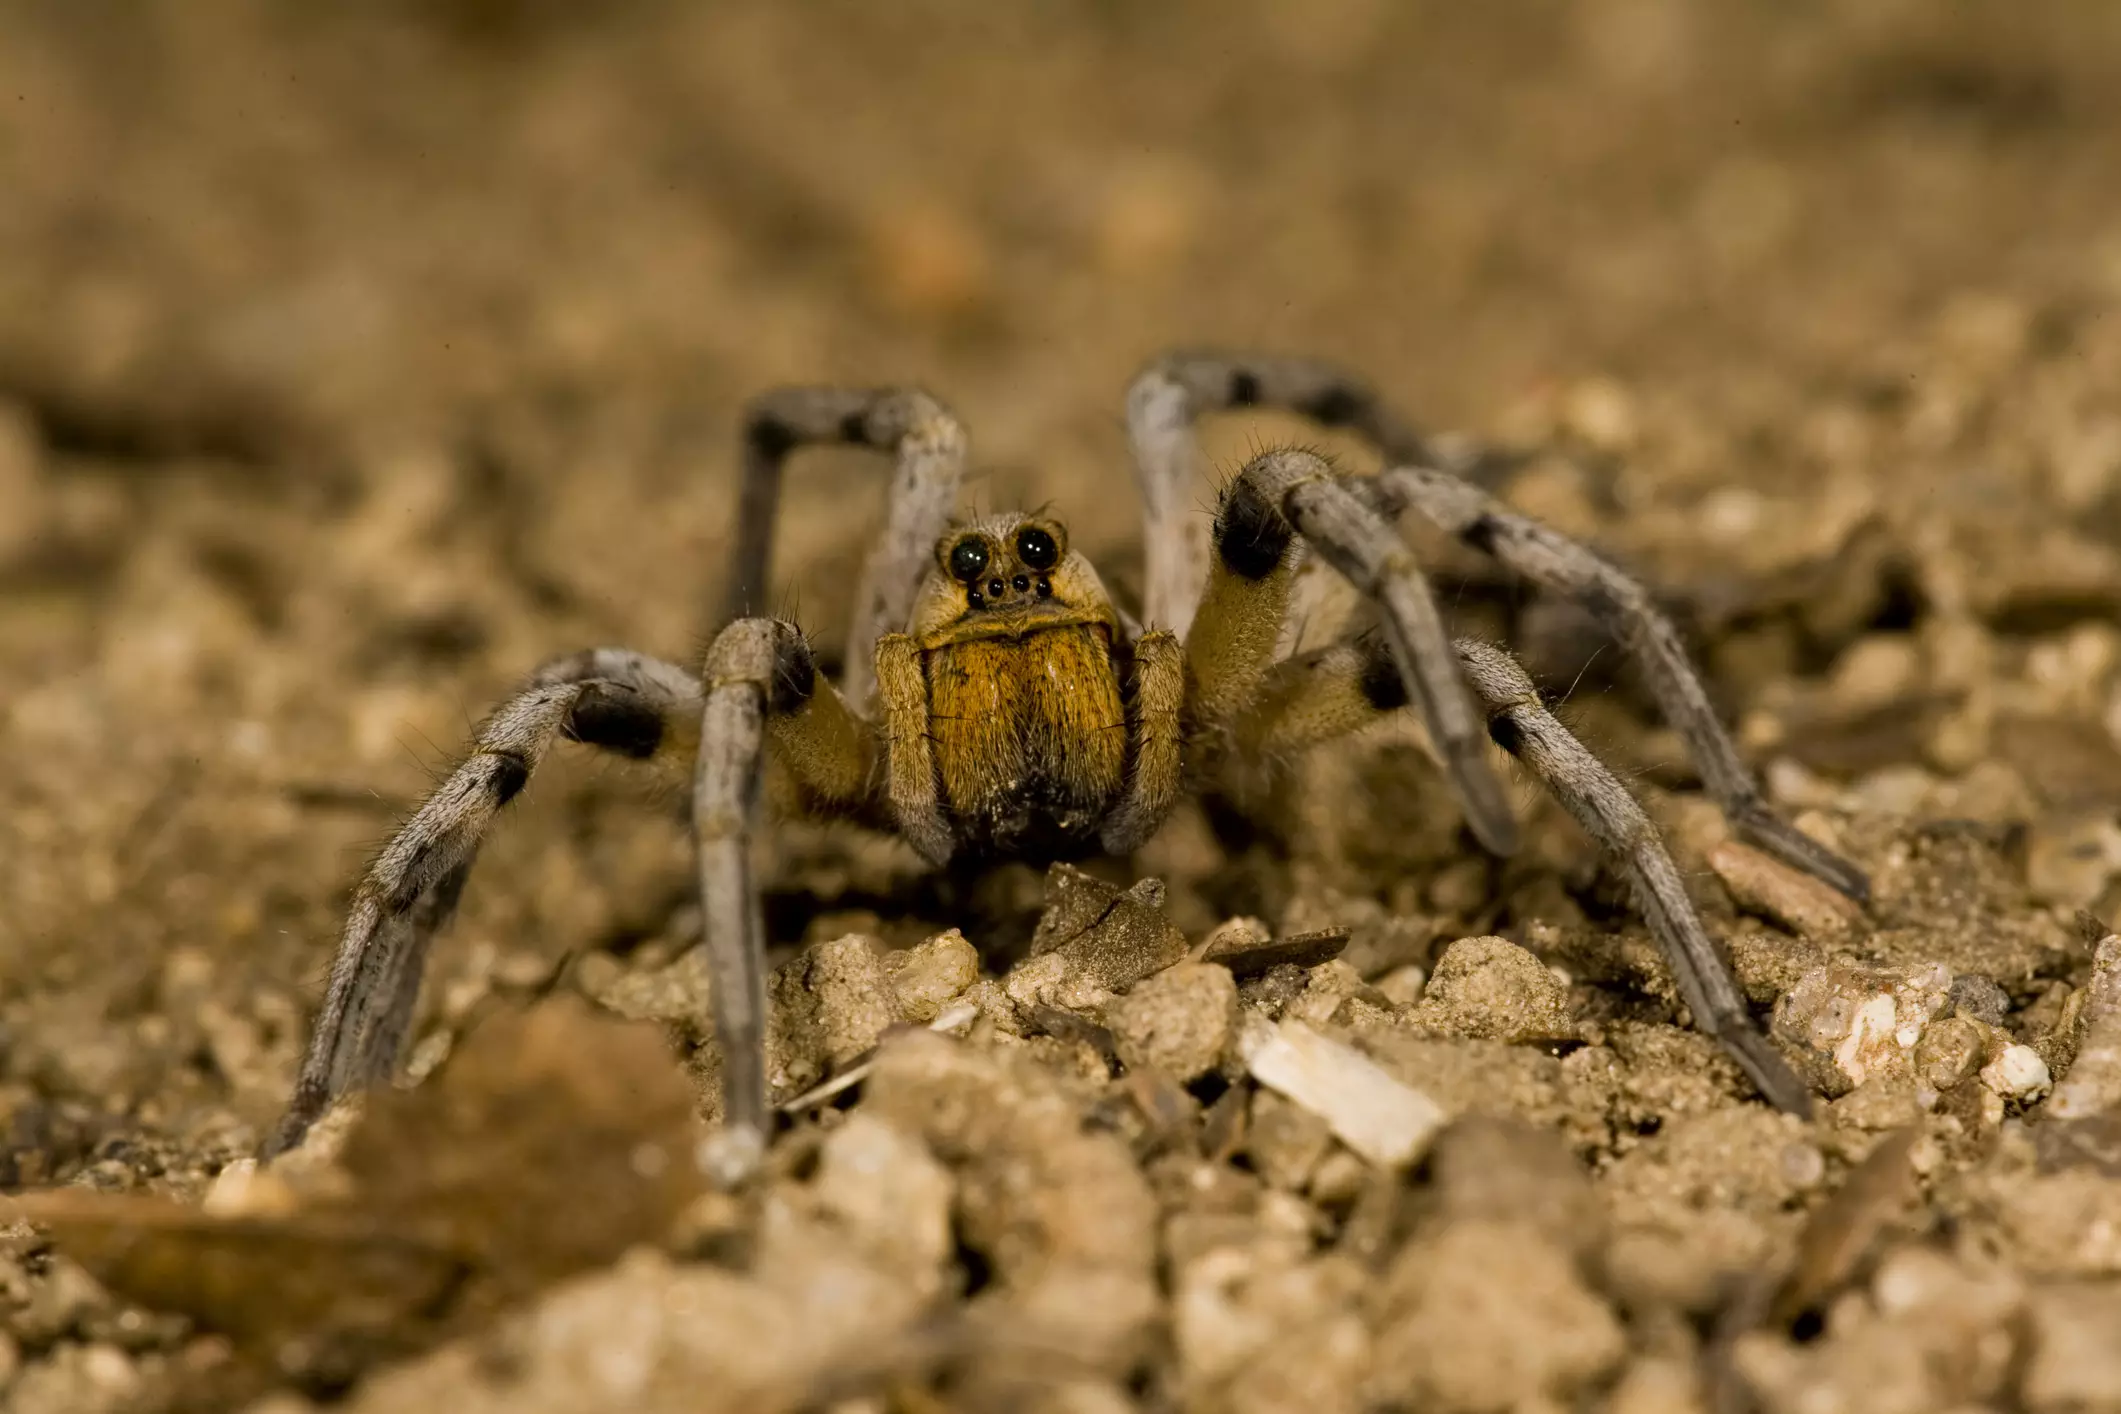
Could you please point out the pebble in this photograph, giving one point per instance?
(1178, 1021)
(1384, 1120)
(927, 977)
(2075, 1355)
(1113, 937)
(1797, 902)
(1493, 990)
(1851, 1024)
(2092, 1084)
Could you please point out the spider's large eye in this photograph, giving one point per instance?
(1036, 548)
(968, 557)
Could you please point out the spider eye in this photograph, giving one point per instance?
(1036, 548)
(968, 557)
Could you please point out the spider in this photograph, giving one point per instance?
(1012, 710)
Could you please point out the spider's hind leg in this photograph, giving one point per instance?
(1624, 608)
(1521, 724)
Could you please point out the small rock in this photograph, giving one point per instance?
(891, 1197)
(1979, 998)
(1485, 1315)
(2092, 1084)
(929, 976)
(2017, 1074)
(1053, 980)
(829, 1005)
(1849, 1024)
(1492, 989)
(1766, 886)
(1486, 1166)
(1285, 1141)
(1387, 1122)
(2075, 1359)
(1114, 937)
(1403, 986)
(1178, 1021)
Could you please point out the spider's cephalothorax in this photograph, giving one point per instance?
(996, 704)
(1026, 717)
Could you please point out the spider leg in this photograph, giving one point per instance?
(930, 445)
(1521, 724)
(1335, 690)
(1280, 494)
(1155, 733)
(1626, 610)
(612, 698)
(763, 691)
(1174, 392)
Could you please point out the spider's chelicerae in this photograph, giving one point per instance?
(996, 703)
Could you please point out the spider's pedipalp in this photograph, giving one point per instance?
(1597, 800)
(930, 445)
(615, 698)
(1625, 609)
(1348, 534)
(1174, 392)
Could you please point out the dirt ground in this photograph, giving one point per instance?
(353, 360)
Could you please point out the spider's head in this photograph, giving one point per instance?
(1005, 576)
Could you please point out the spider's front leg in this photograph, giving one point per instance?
(613, 698)
(763, 691)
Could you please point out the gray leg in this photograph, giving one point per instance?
(1588, 791)
(930, 445)
(612, 698)
(1164, 402)
(1625, 609)
(1278, 490)
(761, 686)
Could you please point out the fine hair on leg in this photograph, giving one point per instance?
(929, 443)
(1288, 491)
(612, 698)
(1626, 610)
(1613, 818)
(1164, 402)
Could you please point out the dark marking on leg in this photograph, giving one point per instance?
(1380, 681)
(1504, 731)
(1481, 534)
(794, 677)
(1337, 406)
(510, 775)
(1251, 534)
(769, 438)
(854, 427)
(615, 719)
(1244, 388)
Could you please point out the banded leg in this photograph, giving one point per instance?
(1626, 611)
(1164, 402)
(762, 688)
(930, 446)
(1521, 724)
(1293, 492)
(612, 698)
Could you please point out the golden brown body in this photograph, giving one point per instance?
(1030, 738)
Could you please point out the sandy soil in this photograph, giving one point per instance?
(353, 362)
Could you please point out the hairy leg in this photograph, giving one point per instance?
(1294, 492)
(1610, 815)
(1625, 609)
(1165, 401)
(612, 698)
(1154, 737)
(761, 686)
(930, 446)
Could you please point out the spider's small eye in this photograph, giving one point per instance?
(1036, 548)
(968, 557)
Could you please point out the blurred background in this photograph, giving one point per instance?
(353, 359)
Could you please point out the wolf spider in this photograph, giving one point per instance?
(1021, 714)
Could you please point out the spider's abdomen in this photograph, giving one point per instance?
(1030, 739)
